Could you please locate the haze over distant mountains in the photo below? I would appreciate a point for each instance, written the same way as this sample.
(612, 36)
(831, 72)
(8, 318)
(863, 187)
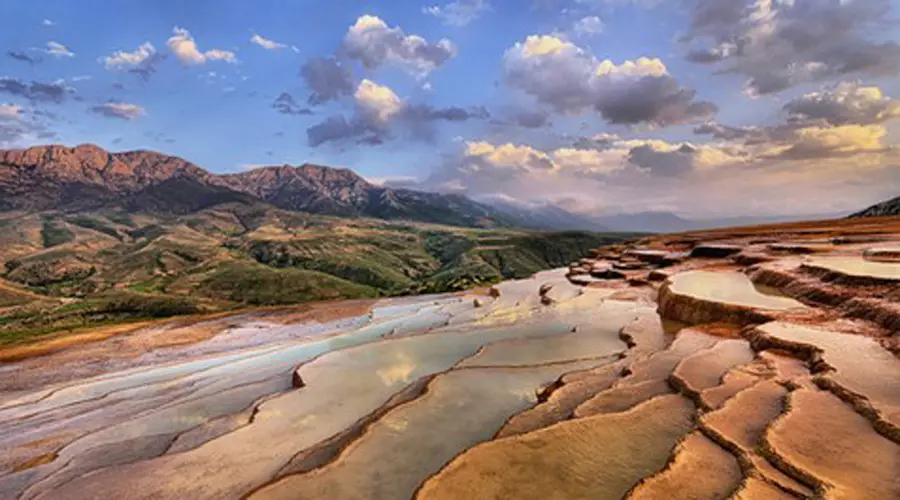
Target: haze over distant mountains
(88, 177)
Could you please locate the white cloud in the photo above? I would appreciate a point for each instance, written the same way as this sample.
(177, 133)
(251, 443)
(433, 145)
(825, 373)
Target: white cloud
(58, 50)
(458, 12)
(120, 110)
(588, 26)
(183, 46)
(270, 44)
(138, 57)
(374, 43)
(377, 101)
(48, 23)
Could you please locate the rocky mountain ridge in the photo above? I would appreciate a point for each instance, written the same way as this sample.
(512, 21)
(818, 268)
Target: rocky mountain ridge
(88, 177)
(889, 207)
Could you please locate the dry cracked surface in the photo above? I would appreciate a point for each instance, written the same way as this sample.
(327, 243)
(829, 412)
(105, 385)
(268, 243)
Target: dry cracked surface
(735, 364)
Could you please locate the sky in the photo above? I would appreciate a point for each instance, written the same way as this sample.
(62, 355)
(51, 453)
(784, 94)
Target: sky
(704, 108)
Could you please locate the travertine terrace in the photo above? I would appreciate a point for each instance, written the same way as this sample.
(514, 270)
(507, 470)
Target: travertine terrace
(750, 363)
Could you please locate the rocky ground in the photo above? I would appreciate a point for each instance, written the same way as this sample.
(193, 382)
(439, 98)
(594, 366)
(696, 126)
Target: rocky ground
(757, 363)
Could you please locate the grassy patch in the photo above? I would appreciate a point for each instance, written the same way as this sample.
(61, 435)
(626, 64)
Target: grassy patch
(260, 285)
(54, 233)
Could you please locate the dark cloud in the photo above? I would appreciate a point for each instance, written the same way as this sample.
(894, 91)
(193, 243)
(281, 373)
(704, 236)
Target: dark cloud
(21, 56)
(425, 113)
(414, 121)
(569, 80)
(287, 105)
(327, 79)
(35, 91)
(335, 128)
(845, 103)
(657, 100)
(777, 45)
(530, 119)
(371, 41)
(664, 162)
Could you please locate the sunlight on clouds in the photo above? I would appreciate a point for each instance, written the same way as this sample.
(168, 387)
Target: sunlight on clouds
(183, 46)
(377, 99)
(544, 45)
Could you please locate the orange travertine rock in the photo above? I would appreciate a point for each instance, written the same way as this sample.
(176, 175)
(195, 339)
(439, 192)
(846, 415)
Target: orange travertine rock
(705, 369)
(823, 438)
(719, 297)
(757, 489)
(387, 461)
(865, 374)
(744, 418)
(562, 402)
(700, 470)
(622, 398)
(597, 457)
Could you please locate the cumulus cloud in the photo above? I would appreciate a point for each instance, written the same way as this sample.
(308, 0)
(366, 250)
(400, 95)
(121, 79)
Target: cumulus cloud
(327, 79)
(142, 61)
(596, 158)
(144, 53)
(458, 12)
(379, 113)
(57, 49)
(776, 44)
(844, 103)
(55, 92)
(835, 121)
(565, 77)
(120, 110)
(609, 174)
(287, 105)
(184, 47)
(371, 41)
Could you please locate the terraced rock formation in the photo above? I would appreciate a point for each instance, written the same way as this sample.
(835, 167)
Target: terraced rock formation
(732, 364)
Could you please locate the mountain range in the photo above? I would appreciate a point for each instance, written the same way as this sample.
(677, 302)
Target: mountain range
(88, 177)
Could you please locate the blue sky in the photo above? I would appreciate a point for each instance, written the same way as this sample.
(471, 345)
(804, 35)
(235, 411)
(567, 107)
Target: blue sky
(445, 117)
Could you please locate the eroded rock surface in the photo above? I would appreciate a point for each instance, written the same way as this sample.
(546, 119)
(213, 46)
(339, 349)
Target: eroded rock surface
(746, 364)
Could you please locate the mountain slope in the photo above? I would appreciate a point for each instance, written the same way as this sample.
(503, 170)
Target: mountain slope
(88, 177)
(890, 207)
(331, 191)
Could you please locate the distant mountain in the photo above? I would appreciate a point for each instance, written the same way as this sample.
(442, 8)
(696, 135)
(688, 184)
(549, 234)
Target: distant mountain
(549, 216)
(890, 207)
(88, 177)
(648, 222)
(324, 190)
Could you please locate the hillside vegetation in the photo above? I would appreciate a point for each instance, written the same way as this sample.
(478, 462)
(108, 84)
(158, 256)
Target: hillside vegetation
(63, 270)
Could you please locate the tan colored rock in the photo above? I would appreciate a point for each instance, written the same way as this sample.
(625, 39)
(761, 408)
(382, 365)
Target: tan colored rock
(579, 459)
(827, 441)
(700, 470)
